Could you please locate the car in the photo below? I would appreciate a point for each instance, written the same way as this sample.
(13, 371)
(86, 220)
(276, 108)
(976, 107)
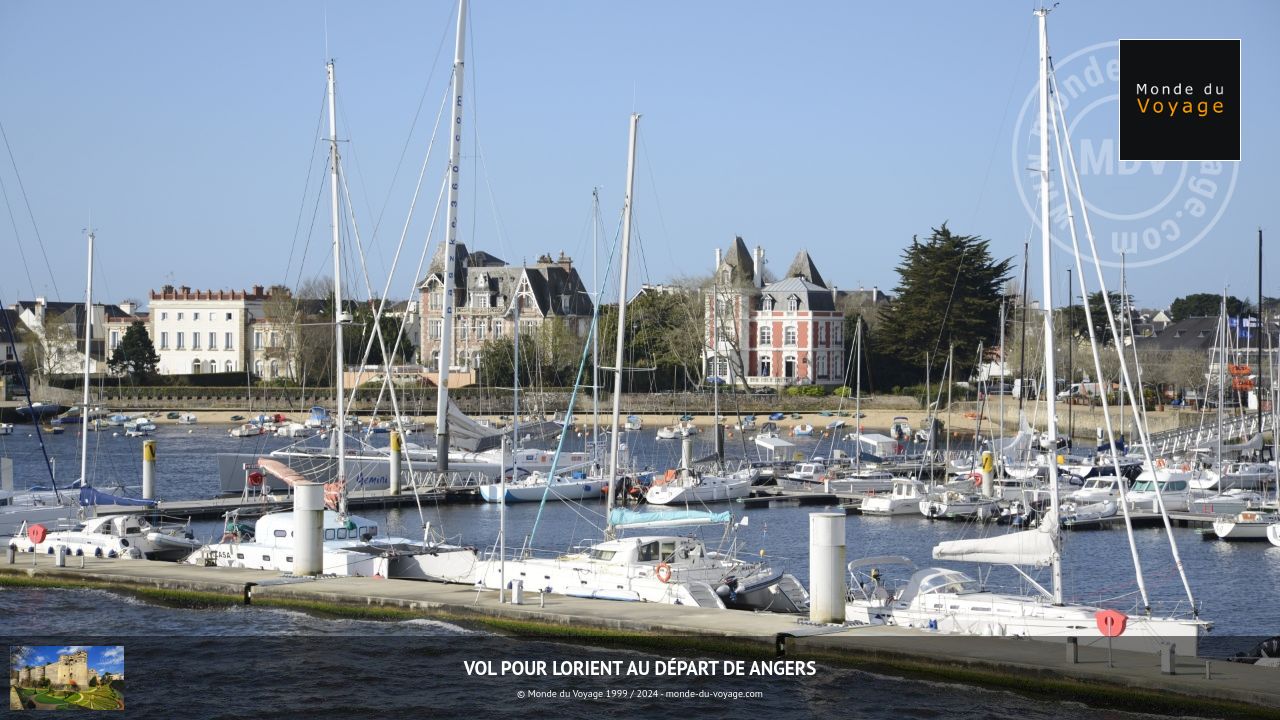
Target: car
(764, 391)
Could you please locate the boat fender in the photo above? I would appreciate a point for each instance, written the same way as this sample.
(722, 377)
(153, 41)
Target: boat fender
(80, 552)
(124, 542)
(97, 552)
(49, 550)
(112, 554)
(663, 572)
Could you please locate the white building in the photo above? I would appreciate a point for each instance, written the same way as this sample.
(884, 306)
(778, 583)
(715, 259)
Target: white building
(58, 329)
(204, 331)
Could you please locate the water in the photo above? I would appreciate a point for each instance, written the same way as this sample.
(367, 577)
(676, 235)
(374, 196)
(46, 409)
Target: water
(1235, 583)
(248, 662)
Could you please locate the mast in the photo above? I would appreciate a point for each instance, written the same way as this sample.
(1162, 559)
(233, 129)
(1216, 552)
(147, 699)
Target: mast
(1022, 346)
(1257, 387)
(595, 333)
(1222, 374)
(857, 392)
(1071, 346)
(1004, 373)
(88, 339)
(338, 317)
(1050, 387)
(622, 318)
(451, 247)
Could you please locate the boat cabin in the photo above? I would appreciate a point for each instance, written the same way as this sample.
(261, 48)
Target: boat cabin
(277, 529)
(648, 549)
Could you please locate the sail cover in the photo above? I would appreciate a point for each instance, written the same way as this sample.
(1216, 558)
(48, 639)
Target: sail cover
(282, 471)
(91, 496)
(1028, 547)
(623, 518)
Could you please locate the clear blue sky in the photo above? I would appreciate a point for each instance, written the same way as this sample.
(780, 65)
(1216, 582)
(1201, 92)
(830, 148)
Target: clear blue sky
(186, 131)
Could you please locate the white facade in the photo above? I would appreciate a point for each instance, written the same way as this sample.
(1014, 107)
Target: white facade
(203, 331)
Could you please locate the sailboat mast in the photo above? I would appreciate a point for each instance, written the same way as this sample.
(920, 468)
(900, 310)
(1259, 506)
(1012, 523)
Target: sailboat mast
(622, 317)
(338, 388)
(451, 248)
(88, 340)
(595, 330)
(1257, 386)
(1050, 385)
(857, 392)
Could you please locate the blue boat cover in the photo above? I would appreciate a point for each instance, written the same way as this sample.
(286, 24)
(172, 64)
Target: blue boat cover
(92, 496)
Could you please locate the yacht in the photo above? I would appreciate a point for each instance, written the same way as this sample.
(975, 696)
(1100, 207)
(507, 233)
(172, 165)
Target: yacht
(904, 500)
(692, 486)
(1245, 525)
(125, 536)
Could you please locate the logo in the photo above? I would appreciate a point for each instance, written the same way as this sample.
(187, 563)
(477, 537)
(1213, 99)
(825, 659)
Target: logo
(1146, 211)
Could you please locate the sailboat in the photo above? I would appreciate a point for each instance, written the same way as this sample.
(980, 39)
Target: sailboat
(949, 601)
(678, 570)
(351, 544)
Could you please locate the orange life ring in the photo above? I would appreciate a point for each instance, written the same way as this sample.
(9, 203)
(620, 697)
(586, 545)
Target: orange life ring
(1160, 462)
(663, 572)
(1185, 467)
(255, 479)
(977, 479)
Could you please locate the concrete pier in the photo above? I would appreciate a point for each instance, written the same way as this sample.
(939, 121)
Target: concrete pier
(1029, 666)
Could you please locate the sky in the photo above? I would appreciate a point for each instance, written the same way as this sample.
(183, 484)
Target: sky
(191, 136)
(103, 658)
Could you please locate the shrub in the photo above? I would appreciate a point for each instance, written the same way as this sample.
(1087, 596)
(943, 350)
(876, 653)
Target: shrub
(806, 391)
(843, 391)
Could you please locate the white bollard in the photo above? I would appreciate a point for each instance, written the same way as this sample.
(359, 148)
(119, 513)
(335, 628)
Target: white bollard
(308, 517)
(988, 474)
(395, 463)
(686, 452)
(517, 592)
(60, 556)
(826, 567)
(149, 470)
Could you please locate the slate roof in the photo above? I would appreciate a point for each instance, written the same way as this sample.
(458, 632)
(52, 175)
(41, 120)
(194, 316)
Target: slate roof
(804, 267)
(813, 297)
(738, 262)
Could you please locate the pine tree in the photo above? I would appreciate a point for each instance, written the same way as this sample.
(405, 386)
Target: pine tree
(135, 355)
(949, 291)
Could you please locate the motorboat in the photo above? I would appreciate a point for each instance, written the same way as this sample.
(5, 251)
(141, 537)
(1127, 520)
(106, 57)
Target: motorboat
(351, 546)
(957, 501)
(6, 428)
(746, 424)
(246, 430)
(1246, 476)
(124, 536)
(633, 422)
(1099, 488)
(682, 429)
(187, 419)
(1173, 487)
(691, 486)
(1076, 514)
(294, 430)
(1231, 502)
(903, 500)
(802, 430)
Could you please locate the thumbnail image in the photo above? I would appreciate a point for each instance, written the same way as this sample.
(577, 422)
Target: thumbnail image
(52, 677)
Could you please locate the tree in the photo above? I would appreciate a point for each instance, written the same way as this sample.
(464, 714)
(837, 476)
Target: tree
(1205, 305)
(135, 356)
(50, 349)
(1073, 317)
(949, 291)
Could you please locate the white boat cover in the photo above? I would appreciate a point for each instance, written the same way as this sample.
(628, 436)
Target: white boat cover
(1019, 444)
(1027, 547)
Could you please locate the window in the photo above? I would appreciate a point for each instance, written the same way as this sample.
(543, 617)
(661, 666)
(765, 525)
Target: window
(433, 329)
(839, 332)
(475, 361)
(280, 533)
(164, 341)
(497, 328)
(766, 303)
(195, 367)
(766, 367)
(257, 341)
(793, 303)
(822, 365)
(257, 368)
(480, 299)
(329, 534)
(766, 334)
(195, 316)
(226, 341)
(195, 341)
(789, 336)
(228, 316)
(179, 316)
(462, 330)
(179, 346)
(275, 340)
(435, 300)
(213, 341)
(164, 316)
(229, 367)
(115, 339)
(789, 367)
(342, 533)
(275, 368)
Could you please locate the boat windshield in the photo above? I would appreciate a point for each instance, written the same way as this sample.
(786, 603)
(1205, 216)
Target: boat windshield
(948, 582)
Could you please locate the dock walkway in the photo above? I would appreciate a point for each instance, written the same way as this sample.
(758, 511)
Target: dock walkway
(1196, 679)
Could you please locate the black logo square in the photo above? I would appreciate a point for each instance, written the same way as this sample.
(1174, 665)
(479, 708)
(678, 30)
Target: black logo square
(1180, 100)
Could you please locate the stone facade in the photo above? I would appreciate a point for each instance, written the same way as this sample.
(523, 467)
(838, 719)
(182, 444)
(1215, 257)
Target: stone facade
(68, 670)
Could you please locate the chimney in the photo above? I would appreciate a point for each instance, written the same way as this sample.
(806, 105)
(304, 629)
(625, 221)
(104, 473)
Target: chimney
(718, 259)
(875, 294)
(257, 290)
(186, 289)
(835, 295)
(759, 267)
(128, 307)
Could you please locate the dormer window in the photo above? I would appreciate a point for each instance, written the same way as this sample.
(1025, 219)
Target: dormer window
(793, 303)
(766, 304)
(564, 302)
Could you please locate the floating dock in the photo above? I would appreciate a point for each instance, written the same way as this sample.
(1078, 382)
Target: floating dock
(262, 504)
(1198, 686)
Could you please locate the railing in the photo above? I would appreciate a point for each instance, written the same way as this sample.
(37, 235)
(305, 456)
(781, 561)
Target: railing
(1183, 439)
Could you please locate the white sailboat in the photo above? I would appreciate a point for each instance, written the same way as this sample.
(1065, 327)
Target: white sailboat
(649, 568)
(949, 601)
(351, 544)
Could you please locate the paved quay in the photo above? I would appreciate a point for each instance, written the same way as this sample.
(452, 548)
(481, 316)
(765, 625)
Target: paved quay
(872, 646)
